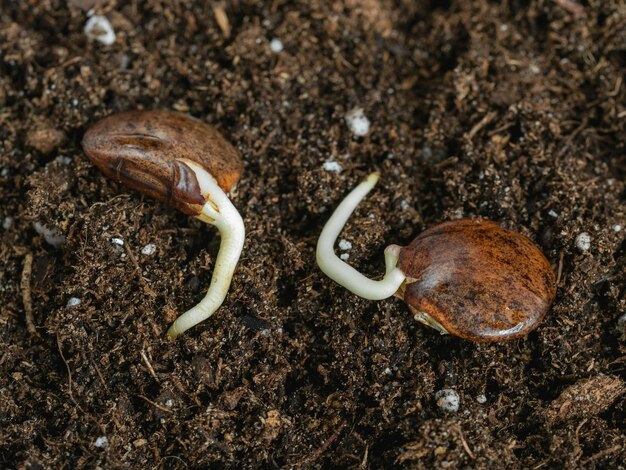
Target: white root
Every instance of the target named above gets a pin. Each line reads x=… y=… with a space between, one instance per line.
x=343 y=273
x=220 y=212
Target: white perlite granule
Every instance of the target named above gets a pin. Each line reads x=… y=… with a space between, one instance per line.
x=583 y=241
x=99 y=29
x=101 y=442
x=448 y=400
x=344 y=244
x=357 y=122
x=117 y=241
x=149 y=249
x=332 y=166
x=276 y=45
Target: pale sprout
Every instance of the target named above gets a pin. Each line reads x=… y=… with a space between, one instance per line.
x=220 y=212
x=343 y=273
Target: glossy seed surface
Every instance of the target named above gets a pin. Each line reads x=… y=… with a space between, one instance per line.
x=145 y=150
x=479 y=281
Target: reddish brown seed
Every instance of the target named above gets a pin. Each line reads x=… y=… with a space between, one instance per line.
x=145 y=151
x=479 y=281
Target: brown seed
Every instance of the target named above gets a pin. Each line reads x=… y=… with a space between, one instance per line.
x=146 y=150
x=477 y=280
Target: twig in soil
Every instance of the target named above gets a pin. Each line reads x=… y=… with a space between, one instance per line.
x=560 y=270
x=69 y=372
x=482 y=123
x=26 y=293
x=149 y=366
x=95 y=366
x=571 y=6
x=602 y=453
x=365 y=456
x=156 y=405
x=133 y=260
x=221 y=19
x=320 y=450
x=578 y=450
x=618 y=360
x=618 y=85
x=464 y=442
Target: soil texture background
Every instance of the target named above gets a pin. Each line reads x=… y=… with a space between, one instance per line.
x=513 y=111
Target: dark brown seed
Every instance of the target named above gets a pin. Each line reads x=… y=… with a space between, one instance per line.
x=479 y=281
x=146 y=150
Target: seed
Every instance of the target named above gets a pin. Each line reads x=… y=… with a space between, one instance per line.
x=469 y=277
x=182 y=161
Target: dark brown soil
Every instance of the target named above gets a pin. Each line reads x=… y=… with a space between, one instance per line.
x=514 y=111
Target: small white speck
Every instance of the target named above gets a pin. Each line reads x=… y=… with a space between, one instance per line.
x=149 y=249
x=276 y=45
x=117 y=241
x=617 y=228
x=101 y=442
x=73 y=302
x=481 y=398
x=357 y=122
x=279 y=330
x=344 y=256
x=169 y=403
x=98 y=28
x=621 y=321
x=448 y=400
x=583 y=241
x=551 y=213
x=504 y=28
x=404 y=205
x=7 y=223
x=535 y=69
x=344 y=244
x=332 y=166
x=74 y=102
x=387 y=371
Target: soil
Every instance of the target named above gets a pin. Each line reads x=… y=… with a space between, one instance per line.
x=513 y=111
